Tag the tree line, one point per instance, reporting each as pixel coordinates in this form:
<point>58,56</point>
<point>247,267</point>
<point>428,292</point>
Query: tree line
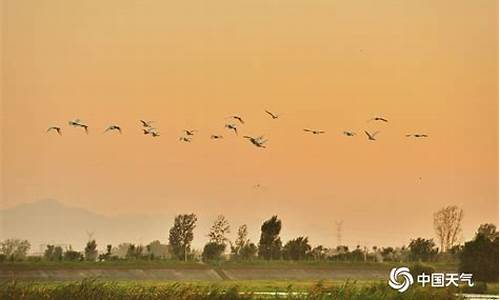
<point>478,256</point>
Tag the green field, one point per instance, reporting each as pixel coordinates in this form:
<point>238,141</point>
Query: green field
<point>97,289</point>
<point>267,280</point>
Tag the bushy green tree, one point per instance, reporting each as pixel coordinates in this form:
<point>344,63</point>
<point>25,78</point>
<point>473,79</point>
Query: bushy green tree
<point>181,235</point>
<point>91,251</point>
<point>480,256</point>
<point>71,255</point>
<point>422,249</point>
<point>296,249</point>
<point>270,242</point>
<point>213,251</point>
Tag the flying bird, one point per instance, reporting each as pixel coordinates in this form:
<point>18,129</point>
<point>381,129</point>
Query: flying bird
<point>232,127</point>
<point>417,135</point>
<point>274,116</point>
<point>371,136</point>
<point>189,132</point>
<point>216,137</point>
<point>314,131</point>
<point>147,123</point>
<point>379,119</point>
<point>238,118</point>
<point>78,123</point>
<point>151,131</point>
<point>349,133</point>
<point>258,142</point>
<point>185,139</point>
<point>113,127</point>
<point>55,128</point>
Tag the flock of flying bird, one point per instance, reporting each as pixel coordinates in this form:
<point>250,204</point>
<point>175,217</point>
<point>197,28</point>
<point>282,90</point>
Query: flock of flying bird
<point>148,129</point>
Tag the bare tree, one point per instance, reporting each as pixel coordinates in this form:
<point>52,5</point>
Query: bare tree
<point>448,226</point>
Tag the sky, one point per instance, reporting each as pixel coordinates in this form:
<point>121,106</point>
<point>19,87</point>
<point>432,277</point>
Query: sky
<point>427,66</point>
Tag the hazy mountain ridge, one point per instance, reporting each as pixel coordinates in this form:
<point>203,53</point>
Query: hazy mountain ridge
<point>49,221</point>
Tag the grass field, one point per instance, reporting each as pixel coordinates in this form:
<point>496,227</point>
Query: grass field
<point>365,287</point>
<point>97,289</point>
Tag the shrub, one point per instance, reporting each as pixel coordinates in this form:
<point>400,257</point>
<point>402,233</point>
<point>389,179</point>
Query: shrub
<point>213,251</point>
<point>420,268</point>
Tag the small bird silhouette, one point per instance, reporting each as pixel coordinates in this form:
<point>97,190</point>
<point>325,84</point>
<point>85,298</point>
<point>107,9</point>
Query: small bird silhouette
<point>185,139</point>
<point>371,136</point>
<point>147,123</point>
<point>238,118</point>
<point>417,135</point>
<point>379,119</point>
<point>78,123</point>
<point>258,142</point>
<point>232,127</point>
<point>113,127</point>
<point>55,128</point>
<point>151,131</point>
<point>274,116</point>
<point>314,131</point>
<point>216,137</point>
<point>189,132</point>
<point>349,133</point>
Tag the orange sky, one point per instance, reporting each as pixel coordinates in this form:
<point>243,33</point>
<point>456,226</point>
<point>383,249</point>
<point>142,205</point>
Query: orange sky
<point>428,66</point>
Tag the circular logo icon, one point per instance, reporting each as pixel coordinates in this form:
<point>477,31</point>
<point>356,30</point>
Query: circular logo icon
<point>397,274</point>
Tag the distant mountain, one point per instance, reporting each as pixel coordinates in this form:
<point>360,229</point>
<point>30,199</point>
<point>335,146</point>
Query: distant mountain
<point>51,222</point>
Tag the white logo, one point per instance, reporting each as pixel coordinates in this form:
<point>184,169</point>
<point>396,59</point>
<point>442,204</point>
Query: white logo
<point>400,272</point>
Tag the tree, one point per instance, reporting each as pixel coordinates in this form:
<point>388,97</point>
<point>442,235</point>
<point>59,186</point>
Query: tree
<point>270,242</point>
<point>241,240</point>
<point>448,225</point>
<point>72,255</point>
<point>107,255</point>
<point>319,252</point>
<point>91,250</point>
<point>422,249</point>
<point>242,247</point>
<point>14,249</point>
<point>158,250</point>
<point>480,256</point>
<point>53,252</point>
<point>219,230</point>
<point>181,235</point>
<point>489,231</point>
<point>296,249</point>
<point>213,251</point>
<point>134,251</point>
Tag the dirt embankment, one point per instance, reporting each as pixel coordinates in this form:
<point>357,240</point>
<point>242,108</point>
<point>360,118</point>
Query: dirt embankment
<point>204,274</point>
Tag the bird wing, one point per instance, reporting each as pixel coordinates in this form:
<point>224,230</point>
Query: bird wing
<point>271,114</point>
<point>368,134</point>
<point>307,130</point>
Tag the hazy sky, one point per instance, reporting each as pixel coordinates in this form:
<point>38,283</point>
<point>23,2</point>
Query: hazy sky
<point>428,66</point>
